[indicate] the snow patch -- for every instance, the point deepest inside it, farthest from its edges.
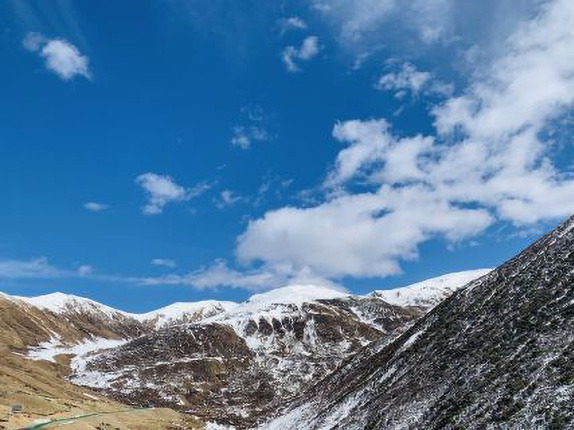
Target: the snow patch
(48, 351)
(214, 426)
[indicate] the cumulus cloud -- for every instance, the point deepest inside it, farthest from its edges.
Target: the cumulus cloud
(165, 262)
(162, 189)
(375, 154)
(408, 79)
(95, 207)
(488, 161)
(60, 56)
(359, 235)
(293, 56)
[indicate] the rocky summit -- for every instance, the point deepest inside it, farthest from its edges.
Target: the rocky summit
(498, 354)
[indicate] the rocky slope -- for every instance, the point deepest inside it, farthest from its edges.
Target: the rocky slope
(237, 367)
(499, 354)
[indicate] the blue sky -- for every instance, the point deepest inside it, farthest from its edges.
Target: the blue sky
(171, 150)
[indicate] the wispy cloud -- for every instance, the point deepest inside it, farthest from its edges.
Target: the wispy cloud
(292, 23)
(162, 189)
(219, 274)
(85, 270)
(292, 56)
(165, 262)
(244, 136)
(95, 207)
(254, 127)
(60, 56)
(228, 198)
(40, 268)
(407, 79)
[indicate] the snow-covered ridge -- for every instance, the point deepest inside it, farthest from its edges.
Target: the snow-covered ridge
(60, 303)
(193, 311)
(297, 294)
(429, 292)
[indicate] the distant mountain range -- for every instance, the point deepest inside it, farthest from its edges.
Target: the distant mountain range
(231, 363)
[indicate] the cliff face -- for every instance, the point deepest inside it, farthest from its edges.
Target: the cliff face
(497, 354)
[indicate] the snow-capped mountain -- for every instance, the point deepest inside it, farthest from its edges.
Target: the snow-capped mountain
(179, 313)
(429, 293)
(498, 354)
(234, 363)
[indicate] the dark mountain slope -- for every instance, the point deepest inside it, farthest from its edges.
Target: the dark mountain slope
(498, 354)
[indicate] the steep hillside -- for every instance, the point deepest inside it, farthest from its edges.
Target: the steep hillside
(498, 354)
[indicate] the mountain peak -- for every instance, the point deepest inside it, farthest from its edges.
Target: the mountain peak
(59, 302)
(297, 294)
(430, 292)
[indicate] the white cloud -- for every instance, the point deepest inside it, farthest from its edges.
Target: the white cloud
(357, 21)
(375, 152)
(85, 270)
(359, 235)
(409, 79)
(228, 198)
(488, 162)
(219, 274)
(165, 262)
(292, 23)
(292, 56)
(60, 56)
(244, 136)
(161, 190)
(254, 112)
(414, 26)
(95, 207)
(38, 268)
